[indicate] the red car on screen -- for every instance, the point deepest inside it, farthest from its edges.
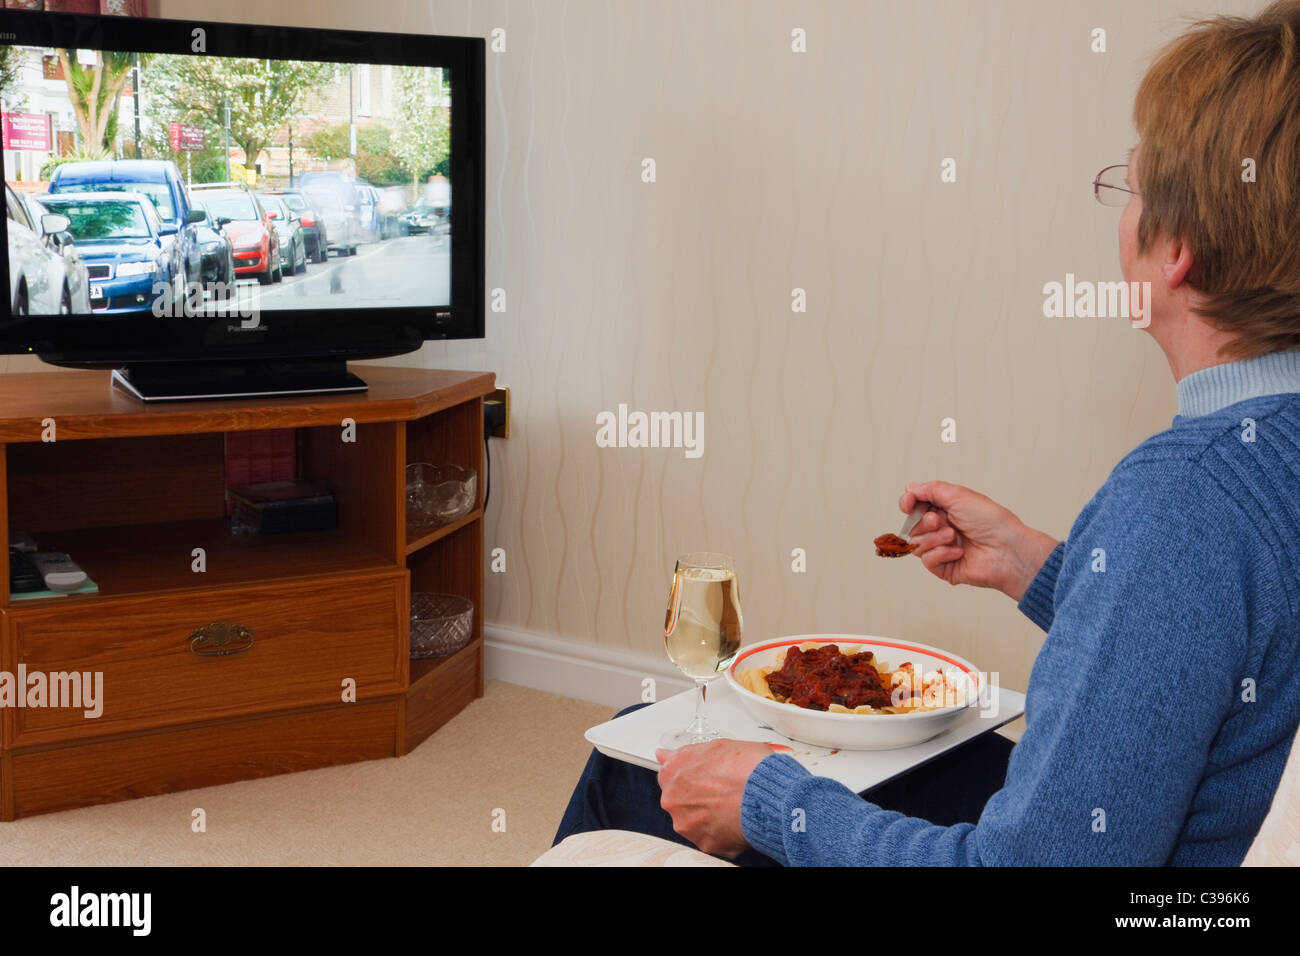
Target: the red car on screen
(240, 216)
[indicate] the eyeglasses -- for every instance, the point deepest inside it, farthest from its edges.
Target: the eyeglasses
(1111, 186)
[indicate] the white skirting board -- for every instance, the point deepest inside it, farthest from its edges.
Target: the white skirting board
(604, 675)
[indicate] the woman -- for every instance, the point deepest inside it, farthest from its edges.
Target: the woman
(1163, 705)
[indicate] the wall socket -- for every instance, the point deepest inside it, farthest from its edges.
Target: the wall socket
(501, 399)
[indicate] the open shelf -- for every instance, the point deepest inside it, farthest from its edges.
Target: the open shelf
(131, 510)
(148, 558)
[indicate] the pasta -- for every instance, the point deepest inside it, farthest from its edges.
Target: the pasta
(908, 692)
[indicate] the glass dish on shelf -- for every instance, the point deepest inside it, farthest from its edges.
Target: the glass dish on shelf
(441, 624)
(439, 494)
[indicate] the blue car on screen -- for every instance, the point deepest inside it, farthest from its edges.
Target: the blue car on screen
(160, 180)
(129, 262)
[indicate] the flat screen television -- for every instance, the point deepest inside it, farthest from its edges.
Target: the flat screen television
(216, 209)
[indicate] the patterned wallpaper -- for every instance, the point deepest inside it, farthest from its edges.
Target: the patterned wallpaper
(776, 170)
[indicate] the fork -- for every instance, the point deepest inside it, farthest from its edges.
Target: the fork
(913, 517)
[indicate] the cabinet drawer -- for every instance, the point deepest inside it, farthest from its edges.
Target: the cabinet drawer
(307, 638)
(178, 758)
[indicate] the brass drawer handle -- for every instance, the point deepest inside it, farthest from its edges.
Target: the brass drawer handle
(220, 638)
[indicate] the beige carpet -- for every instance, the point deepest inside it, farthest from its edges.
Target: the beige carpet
(516, 750)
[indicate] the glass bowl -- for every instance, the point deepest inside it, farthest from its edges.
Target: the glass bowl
(439, 494)
(441, 624)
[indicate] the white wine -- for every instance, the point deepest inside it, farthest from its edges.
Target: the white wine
(701, 632)
(703, 624)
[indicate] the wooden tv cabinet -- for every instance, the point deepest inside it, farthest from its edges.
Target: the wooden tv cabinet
(132, 490)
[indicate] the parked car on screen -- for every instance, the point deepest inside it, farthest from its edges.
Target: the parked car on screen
(368, 213)
(158, 179)
(431, 211)
(218, 251)
(239, 215)
(78, 281)
(336, 197)
(313, 226)
(293, 245)
(127, 256)
(37, 273)
(419, 219)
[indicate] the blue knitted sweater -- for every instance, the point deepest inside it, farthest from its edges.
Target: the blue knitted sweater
(1162, 707)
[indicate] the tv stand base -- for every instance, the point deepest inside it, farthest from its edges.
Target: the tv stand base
(190, 381)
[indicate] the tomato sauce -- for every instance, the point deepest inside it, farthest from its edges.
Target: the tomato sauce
(823, 676)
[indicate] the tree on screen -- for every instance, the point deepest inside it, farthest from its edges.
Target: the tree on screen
(262, 95)
(376, 162)
(10, 63)
(422, 133)
(93, 90)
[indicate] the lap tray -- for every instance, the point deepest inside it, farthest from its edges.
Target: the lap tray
(634, 737)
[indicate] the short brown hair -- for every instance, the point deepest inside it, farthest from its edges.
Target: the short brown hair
(1226, 91)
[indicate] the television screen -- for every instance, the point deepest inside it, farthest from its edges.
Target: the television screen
(192, 191)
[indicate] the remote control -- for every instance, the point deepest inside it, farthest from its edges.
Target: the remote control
(23, 576)
(59, 571)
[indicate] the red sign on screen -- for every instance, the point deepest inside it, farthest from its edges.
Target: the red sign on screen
(27, 131)
(186, 137)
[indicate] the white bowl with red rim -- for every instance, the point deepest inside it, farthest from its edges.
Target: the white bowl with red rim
(857, 731)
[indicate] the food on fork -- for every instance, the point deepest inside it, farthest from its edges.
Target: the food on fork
(892, 546)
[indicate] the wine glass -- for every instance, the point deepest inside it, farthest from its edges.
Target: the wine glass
(701, 632)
